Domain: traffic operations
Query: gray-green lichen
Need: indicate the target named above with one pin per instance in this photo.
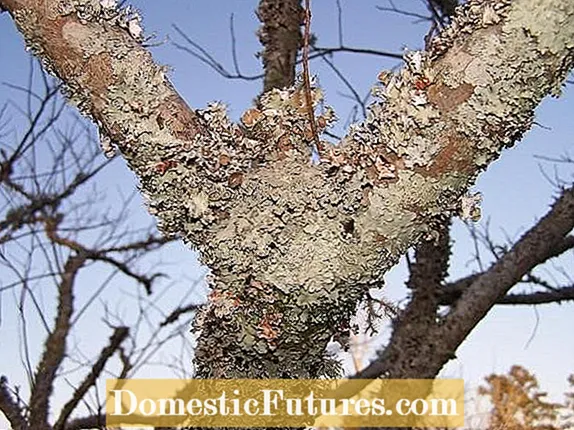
(107, 11)
(402, 125)
(474, 15)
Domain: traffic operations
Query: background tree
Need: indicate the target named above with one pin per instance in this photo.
(519, 404)
(295, 306)
(569, 403)
(55, 240)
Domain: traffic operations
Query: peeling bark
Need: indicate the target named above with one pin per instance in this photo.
(293, 247)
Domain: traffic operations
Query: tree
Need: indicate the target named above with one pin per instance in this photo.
(519, 404)
(54, 242)
(288, 274)
(569, 403)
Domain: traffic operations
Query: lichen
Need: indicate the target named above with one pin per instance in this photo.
(107, 11)
(475, 14)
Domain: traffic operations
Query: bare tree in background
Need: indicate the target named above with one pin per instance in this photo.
(57, 240)
(293, 247)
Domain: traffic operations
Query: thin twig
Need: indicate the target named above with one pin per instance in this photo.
(355, 95)
(176, 313)
(10, 407)
(306, 79)
(119, 335)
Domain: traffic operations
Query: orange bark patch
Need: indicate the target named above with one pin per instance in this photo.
(235, 179)
(66, 56)
(63, 42)
(179, 118)
(250, 117)
(453, 157)
(446, 98)
(98, 71)
(454, 154)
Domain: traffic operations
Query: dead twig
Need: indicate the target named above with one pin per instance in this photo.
(307, 79)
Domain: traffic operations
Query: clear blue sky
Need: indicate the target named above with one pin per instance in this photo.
(514, 189)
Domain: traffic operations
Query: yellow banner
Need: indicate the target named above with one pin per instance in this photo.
(285, 403)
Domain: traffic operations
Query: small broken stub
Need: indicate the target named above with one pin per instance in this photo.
(470, 207)
(107, 145)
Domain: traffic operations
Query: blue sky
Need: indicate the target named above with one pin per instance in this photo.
(515, 192)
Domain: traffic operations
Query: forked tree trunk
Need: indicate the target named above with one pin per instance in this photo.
(294, 246)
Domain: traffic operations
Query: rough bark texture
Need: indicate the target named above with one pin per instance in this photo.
(294, 246)
(281, 38)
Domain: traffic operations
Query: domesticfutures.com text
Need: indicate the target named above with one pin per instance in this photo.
(274, 402)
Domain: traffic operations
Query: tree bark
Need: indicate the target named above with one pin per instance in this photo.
(293, 246)
(280, 35)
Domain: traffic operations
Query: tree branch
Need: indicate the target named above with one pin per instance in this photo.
(55, 346)
(403, 358)
(119, 335)
(11, 408)
(176, 313)
(531, 248)
(281, 38)
(539, 297)
(451, 292)
(321, 234)
(51, 226)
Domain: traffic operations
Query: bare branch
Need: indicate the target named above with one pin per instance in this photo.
(451, 292)
(539, 297)
(321, 51)
(119, 335)
(405, 358)
(404, 12)
(101, 255)
(360, 101)
(55, 346)
(149, 244)
(176, 313)
(29, 213)
(11, 408)
(307, 79)
(280, 35)
(197, 51)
